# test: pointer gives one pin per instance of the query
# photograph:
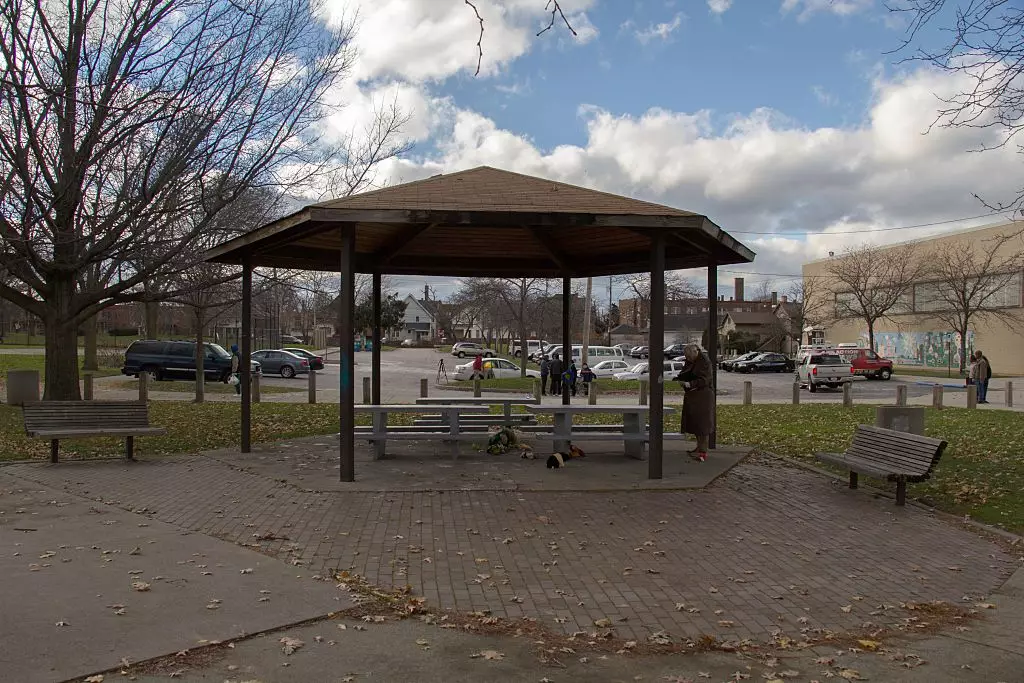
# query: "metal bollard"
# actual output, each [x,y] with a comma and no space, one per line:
[796,393]
[748,393]
[476,388]
[87,387]
[592,394]
[256,395]
[367,392]
[972,396]
[1009,394]
[144,387]
[901,395]
[312,386]
[643,392]
[937,396]
[847,394]
[423,388]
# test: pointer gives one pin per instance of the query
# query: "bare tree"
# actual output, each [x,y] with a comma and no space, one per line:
[872,283]
[552,6]
[977,285]
[639,286]
[515,294]
[811,306]
[126,128]
[984,44]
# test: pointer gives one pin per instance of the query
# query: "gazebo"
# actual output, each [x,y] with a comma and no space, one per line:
[483,222]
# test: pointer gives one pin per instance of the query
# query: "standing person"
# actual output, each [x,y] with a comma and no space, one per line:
[982,374]
[571,375]
[545,370]
[972,366]
[588,376]
[698,399]
[478,367]
[556,375]
[236,359]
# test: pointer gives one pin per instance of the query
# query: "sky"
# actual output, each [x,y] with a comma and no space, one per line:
[796,125]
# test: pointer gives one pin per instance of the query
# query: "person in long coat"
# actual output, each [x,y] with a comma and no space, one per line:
[698,399]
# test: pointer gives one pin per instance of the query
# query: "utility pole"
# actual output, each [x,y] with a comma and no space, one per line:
[609,331]
[586,320]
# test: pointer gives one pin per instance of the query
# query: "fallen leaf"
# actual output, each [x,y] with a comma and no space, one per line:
[140,586]
[247,570]
[493,655]
[422,642]
[984,605]
[137,550]
[98,678]
[846,609]
[871,645]
[603,622]
[290,645]
[850,674]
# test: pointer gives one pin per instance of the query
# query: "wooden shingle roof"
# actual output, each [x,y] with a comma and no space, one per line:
[486,222]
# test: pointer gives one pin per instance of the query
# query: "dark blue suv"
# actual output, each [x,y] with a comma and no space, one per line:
[177,360]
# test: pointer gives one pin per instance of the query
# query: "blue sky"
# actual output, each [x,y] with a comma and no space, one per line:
[785,121]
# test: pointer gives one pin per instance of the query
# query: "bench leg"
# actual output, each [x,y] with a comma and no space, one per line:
[380,426]
[129,448]
[901,491]
[853,480]
[633,424]
[54,449]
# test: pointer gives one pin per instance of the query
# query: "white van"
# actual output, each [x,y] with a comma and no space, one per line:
[595,354]
[532,346]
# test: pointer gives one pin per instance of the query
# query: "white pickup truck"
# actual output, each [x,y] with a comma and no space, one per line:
[821,368]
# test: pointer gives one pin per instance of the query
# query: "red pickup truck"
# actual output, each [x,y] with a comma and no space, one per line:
[866,362]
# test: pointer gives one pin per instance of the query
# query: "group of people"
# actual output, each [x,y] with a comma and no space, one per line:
[562,376]
[979,372]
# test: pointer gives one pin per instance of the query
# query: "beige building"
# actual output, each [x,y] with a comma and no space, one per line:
[911,334]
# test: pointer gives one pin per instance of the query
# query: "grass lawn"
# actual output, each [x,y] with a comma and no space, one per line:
[13,361]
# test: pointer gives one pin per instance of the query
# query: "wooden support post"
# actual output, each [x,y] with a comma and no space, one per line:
[643,392]
[377,350]
[144,387]
[312,386]
[796,393]
[748,393]
[592,394]
[129,448]
[87,386]
[55,450]
[853,480]
[847,394]
[476,388]
[972,396]
[901,394]
[424,390]
[367,391]
[257,396]
[713,342]
[566,338]
[244,366]
[1009,394]
[937,396]
[656,444]
[346,376]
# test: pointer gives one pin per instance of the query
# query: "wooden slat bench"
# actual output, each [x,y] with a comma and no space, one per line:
[56,420]
[890,456]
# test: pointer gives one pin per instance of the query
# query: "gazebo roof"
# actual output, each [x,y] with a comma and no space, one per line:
[486,222]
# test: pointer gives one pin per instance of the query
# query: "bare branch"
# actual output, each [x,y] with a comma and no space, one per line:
[556,9]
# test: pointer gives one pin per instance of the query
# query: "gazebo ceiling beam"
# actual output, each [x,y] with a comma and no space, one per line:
[545,240]
[497,218]
[399,242]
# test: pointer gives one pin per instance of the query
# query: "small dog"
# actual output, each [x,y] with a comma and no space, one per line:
[556,460]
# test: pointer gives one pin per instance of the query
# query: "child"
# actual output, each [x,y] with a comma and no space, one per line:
[587,375]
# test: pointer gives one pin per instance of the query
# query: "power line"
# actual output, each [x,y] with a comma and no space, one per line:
[867,230]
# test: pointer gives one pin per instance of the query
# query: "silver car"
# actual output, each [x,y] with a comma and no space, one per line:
[278,361]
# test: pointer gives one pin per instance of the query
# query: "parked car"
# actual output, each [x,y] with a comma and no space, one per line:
[674,350]
[408,343]
[640,352]
[828,369]
[608,368]
[729,363]
[626,348]
[463,349]
[671,368]
[279,361]
[493,368]
[176,359]
[290,339]
[315,362]
[765,362]
[532,347]
[866,362]
[595,354]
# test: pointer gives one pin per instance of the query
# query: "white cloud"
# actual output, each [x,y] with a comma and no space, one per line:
[843,8]
[662,31]
[719,6]
[761,171]
[824,96]
[423,40]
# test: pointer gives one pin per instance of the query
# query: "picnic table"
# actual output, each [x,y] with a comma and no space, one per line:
[379,433]
[505,403]
[633,429]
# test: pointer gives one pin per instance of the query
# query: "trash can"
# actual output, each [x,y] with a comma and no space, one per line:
[908,419]
[22,386]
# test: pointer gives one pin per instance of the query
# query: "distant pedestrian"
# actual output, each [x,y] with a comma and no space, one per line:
[698,399]
[555,368]
[478,367]
[236,360]
[545,370]
[571,375]
[588,376]
[972,366]
[982,375]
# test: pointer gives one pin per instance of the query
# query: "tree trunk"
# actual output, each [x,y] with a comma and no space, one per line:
[61,382]
[91,328]
[963,349]
[200,358]
[152,309]
[871,335]
[523,346]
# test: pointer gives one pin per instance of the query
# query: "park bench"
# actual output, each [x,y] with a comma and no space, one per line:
[56,420]
[633,431]
[890,456]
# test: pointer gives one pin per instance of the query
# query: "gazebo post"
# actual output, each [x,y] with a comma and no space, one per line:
[375,354]
[713,343]
[566,337]
[244,369]
[657,356]
[346,381]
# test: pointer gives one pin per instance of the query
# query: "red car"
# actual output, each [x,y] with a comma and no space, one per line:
[315,362]
[866,362]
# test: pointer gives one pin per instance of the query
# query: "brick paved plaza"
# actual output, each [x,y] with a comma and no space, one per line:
[767,547]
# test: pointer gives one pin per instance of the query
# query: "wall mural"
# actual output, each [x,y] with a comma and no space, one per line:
[928,349]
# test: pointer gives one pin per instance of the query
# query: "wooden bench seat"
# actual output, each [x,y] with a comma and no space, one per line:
[890,456]
[56,420]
